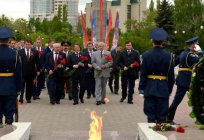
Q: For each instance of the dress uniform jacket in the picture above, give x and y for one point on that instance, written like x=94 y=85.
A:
x=157 y=62
x=10 y=63
x=187 y=59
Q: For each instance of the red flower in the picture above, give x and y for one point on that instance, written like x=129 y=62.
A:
x=63 y=61
x=180 y=129
x=108 y=57
x=31 y=53
x=84 y=58
x=136 y=64
x=40 y=52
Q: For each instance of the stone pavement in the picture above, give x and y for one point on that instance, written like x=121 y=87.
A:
x=69 y=122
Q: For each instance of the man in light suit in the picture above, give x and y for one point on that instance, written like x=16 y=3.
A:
x=101 y=72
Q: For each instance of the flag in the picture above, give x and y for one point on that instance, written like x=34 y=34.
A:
x=116 y=32
x=101 y=20
x=85 y=35
x=108 y=28
x=93 y=28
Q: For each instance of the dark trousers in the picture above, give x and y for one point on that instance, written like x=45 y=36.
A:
x=90 y=84
x=40 y=83
x=115 y=77
x=55 y=89
x=28 y=84
x=128 y=82
x=7 y=106
x=76 y=81
x=68 y=83
x=180 y=93
x=156 y=109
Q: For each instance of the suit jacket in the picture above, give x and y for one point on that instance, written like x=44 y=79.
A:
x=41 y=56
x=116 y=56
x=87 y=69
x=128 y=59
x=74 y=60
x=97 y=61
x=31 y=66
x=58 y=73
x=10 y=63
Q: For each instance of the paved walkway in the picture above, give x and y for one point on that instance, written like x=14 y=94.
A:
x=69 y=122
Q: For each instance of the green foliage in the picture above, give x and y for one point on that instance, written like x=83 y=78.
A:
x=64 y=13
x=151 y=5
x=59 y=12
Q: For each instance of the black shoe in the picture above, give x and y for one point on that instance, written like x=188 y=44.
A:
x=88 y=97
x=116 y=93
x=94 y=96
x=62 y=97
x=98 y=103
x=122 y=99
x=37 y=97
x=75 y=103
x=130 y=102
x=28 y=101
x=9 y=121
x=70 y=98
x=57 y=102
x=103 y=102
x=21 y=101
x=52 y=102
x=82 y=100
x=34 y=98
x=111 y=89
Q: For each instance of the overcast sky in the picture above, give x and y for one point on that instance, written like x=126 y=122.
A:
x=21 y=8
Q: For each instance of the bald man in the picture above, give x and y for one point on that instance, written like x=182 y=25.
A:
x=55 y=67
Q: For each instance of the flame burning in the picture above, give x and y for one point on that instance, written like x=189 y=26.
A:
x=95 y=127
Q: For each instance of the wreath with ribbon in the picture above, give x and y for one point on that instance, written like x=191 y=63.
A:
x=196 y=94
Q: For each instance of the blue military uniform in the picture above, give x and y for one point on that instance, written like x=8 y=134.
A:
x=187 y=59
x=10 y=77
x=156 y=79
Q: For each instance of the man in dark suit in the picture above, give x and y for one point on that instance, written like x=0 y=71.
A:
x=186 y=60
x=49 y=48
x=129 y=62
x=40 y=78
x=55 y=64
x=66 y=45
x=156 y=78
x=89 y=71
x=10 y=77
x=115 y=69
x=76 y=65
x=12 y=44
x=30 y=64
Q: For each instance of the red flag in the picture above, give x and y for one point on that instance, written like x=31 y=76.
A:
x=85 y=35
x=101 y=20
x=91 y=18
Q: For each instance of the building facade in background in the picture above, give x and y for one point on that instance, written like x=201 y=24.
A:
x=41 y=9
x=128 y=9
x=49 y=8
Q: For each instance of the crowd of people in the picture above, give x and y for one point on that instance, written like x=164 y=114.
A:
x=26 y=68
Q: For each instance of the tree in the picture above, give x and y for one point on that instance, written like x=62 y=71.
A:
x=64 y=13
x=59 y=13
x=151 y=5
x=188 y=16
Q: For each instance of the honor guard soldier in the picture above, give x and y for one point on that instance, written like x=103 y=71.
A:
x=156 y=78
x=187 y=59
x=10 y=77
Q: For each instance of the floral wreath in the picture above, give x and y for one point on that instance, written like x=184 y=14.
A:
x=196 y=94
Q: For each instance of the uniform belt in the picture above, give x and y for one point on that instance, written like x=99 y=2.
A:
x=185 y=69
x=6 y=74
x=158 y=77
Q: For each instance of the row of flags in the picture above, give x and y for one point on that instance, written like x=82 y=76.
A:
x=108 y=28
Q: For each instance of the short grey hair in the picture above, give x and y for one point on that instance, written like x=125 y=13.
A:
x=101 y=44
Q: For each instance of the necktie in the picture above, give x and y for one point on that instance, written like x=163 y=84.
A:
x=91 y=53
x=28 y=55
x=101 y=54
x=56 y=58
